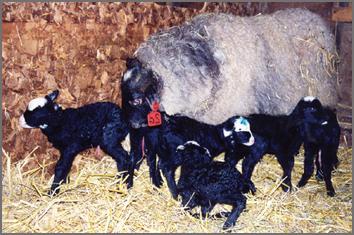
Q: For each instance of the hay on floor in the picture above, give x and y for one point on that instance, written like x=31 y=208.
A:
x=96 y=201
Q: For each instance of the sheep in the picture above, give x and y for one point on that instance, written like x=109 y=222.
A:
x=74 y=130
x=175 y=130
x=264 y=62
x=205 y=183
x=320 y=132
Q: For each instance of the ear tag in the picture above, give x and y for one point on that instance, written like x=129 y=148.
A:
x=154 y=117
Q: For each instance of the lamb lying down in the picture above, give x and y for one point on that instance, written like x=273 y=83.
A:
x=74 y=130
x=204 y=182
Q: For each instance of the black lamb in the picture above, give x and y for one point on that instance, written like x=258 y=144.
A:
x=74 y=130
x=283 y=135
x=320 y=133
x=176 y=130
x=204 y=182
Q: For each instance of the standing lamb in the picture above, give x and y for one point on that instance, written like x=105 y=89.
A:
x=282 y=135
x=320 y=132
x=74 y=130
x=204 y=182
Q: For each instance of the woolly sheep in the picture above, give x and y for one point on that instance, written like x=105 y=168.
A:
x=266 y=63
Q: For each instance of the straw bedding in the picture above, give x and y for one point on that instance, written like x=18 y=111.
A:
x=95 y=201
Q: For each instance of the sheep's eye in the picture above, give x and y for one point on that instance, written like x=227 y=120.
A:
x=136 y=102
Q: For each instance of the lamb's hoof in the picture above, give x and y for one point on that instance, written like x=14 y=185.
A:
x=331 y=193
x=53 y=192
x=286 y=188
x=249 y=187
x=157 y=182
x=301 y=183
x=227 y=226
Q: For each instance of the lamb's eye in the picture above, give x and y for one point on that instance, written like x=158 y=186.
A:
x=136 y=102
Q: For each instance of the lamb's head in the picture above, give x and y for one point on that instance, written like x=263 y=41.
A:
x=237 y=130
x=309 y=110
x=193 y=155
x=40 y=111
x=139 y=90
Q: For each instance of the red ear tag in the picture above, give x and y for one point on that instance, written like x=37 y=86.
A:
x=154 y=117
x=155 y=106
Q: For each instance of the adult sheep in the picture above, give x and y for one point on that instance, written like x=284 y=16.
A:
x=220 y=65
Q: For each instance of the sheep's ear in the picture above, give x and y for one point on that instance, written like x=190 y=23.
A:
x=132 y=62
x=52 y=96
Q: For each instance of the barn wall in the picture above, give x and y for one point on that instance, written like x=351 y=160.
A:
x=79 y=48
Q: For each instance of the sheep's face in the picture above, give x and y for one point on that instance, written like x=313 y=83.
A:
x=39 y=111
x=309 y=110
x=139 y=90
x=237 y=130
x=193 y=154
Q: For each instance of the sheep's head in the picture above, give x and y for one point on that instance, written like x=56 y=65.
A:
x=39 y=111
x=139 y=90
x=193 y=154
x=237 y=130
x=309 y=110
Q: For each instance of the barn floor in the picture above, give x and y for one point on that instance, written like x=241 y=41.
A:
x=92 y=201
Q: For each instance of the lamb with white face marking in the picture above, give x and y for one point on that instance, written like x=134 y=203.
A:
x=74 y=130
x=283 y=135
x=164 y=139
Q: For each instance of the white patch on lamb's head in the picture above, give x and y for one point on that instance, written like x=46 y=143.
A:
x=324 y=123
x=180 y=147
x=37 y=102
x=250 y=142
x=207 y=151
x=309 y=98
x=241 y=124
x=192 y=142
x=23 y=123
x=226 y=132
x=128 y=74
x=43 y=126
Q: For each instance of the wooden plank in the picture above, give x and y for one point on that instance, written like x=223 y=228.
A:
x=342 y=14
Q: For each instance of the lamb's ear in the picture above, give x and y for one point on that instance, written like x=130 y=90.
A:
x=180 y=148
x=52 y=96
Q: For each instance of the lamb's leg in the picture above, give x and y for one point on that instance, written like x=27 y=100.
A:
x=310 y=153
x=328 y=156
x=136 y=152
x=287 y=163
x=249 y=164
x=238 y=205
x=121 y=157
x=319 y=172
x=206 y=208
x=232 y=157
x=154 y=170
x=113 y=135
x=63 y=167
x=151 y=143
x=169 y=173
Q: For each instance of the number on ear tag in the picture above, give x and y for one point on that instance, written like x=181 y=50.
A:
x=154 y=118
